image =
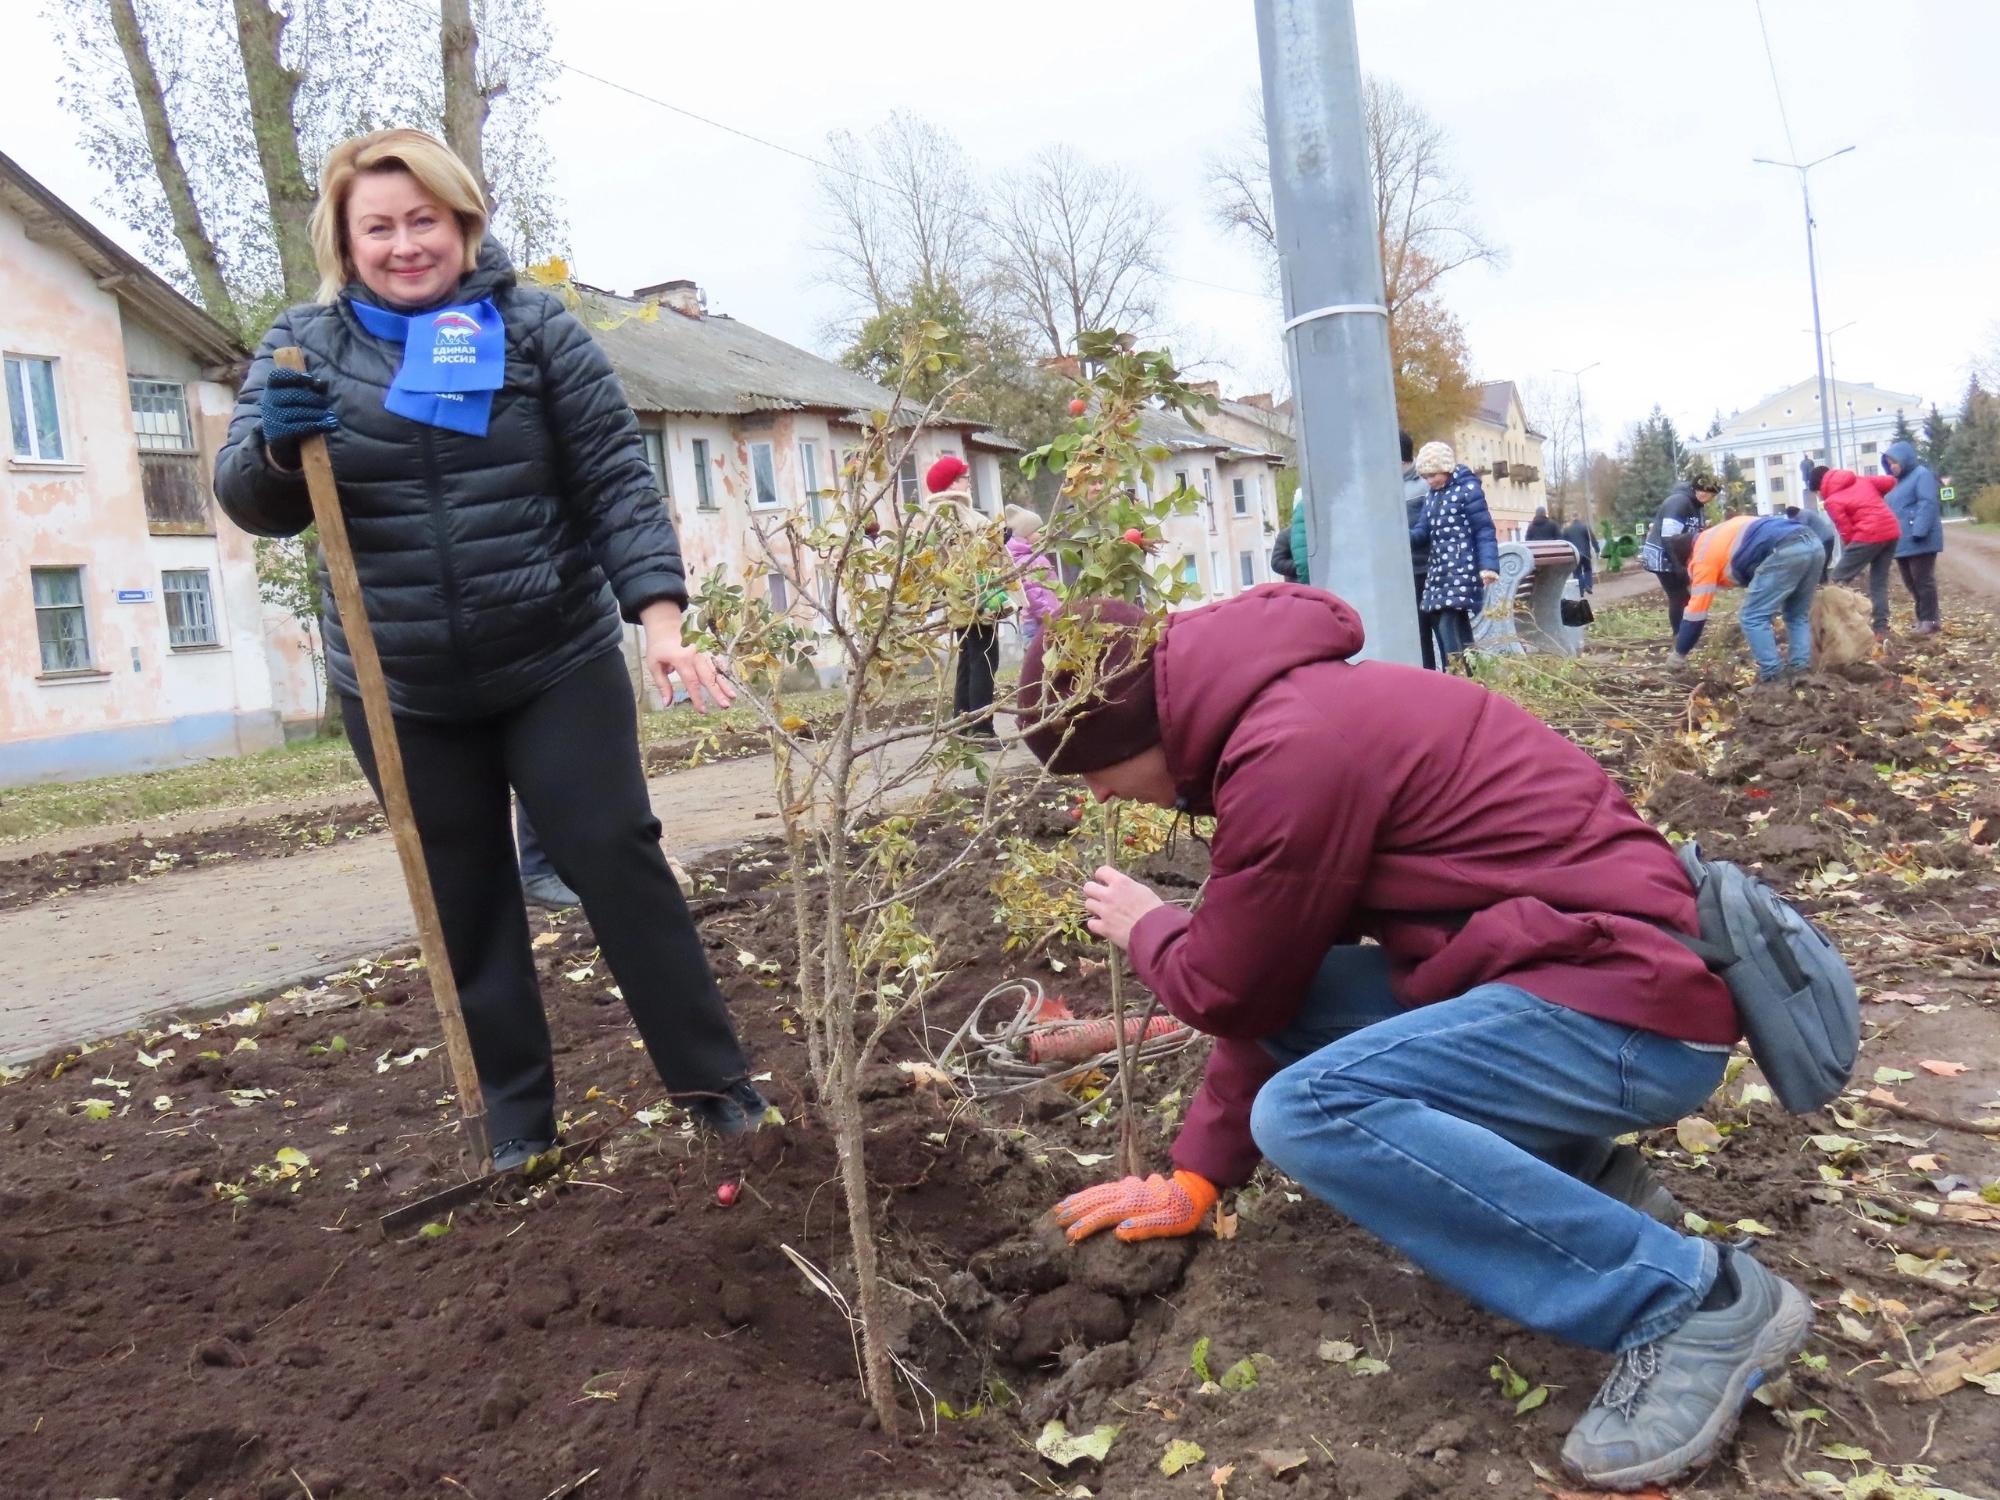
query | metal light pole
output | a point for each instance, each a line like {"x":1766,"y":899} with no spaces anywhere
{"x":1336,"y":327}
{"x":1839,"y":449}
{"x":1583,"y":441}
{"x":1812,"y":273}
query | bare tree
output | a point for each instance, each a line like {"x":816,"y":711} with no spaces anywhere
{"x":1422,"y":211}
{"x":150,"y":100}
{"x":904,"y":217}
{"x":194,"y":108}
{"x":1550,"y":407}
{"x":273,"y":89}
{"x":465,"y":104}
{"x":1077,"y":246}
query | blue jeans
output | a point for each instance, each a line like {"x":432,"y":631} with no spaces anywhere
{"x":1465,"y":1134}
{"x":534,"y":860}
{"x":1784,"y":584}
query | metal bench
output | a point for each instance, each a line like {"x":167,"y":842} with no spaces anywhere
{"x":1524,"y":609}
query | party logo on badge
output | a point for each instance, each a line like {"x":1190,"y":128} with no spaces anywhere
{"x":453,"y":332}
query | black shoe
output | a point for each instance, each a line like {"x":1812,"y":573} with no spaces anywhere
{"x":508,"y":1155}
{"x":737,"y":1110}
{"x":549,"y":890}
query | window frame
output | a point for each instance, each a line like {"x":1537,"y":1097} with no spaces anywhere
{"x":1216,"y":585}
{"x":654,"y":441}
{"x":704,"y":479}
{"x":206,"y":594}
{"x":187,"y":443}
{"x":770,"y":471}
{"x":778,"y":593}
{"x":809,"y":481}
{"x":82,"y":609}
{"x":21,"y":409}
{"x":1239,"y":496}
{"x":909,"y":488}
{"x":1246,"y":569}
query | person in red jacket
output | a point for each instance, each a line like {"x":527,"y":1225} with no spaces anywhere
{"x":1439,"y":954}
{"x":1868,"y":533}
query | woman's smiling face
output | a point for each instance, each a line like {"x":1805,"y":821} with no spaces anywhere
{"x":407,"y":248}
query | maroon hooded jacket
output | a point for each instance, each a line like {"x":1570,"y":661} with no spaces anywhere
{"x":1352,"y":800}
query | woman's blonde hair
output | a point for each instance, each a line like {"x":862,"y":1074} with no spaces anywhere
{"x":435,"y":166}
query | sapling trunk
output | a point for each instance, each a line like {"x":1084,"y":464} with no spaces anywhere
{"x":1128,"y":1123}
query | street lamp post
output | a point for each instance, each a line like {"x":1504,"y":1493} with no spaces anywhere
{"x":1336,"y":325}
{"x":1839,"y":449}
{"x":1583,"y":441}
{"x":1812,"y":274}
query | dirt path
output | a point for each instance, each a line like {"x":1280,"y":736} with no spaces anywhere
{"x":95,"y":964}
{"x":1971,"y":559}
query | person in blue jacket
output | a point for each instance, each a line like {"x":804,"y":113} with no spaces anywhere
{"x":1915,"y":503}
{"x":1464,"y":551}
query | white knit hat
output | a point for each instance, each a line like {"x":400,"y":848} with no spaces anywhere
{"x":1435,"y":458}
{"x":1022,"y":521}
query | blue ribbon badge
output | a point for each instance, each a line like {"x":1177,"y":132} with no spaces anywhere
{"x":454,"y":359}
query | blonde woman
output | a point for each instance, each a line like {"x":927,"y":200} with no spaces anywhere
{"x":503,"y":518}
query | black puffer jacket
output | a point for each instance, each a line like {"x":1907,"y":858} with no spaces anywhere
{"x":493,"y":565}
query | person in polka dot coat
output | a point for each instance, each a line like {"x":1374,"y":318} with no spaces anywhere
{"x":1464,"y":549}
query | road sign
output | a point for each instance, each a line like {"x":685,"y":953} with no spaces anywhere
{"x":1948,"y":494}
{"x":134,"y":596}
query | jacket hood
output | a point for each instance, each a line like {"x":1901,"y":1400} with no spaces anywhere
{"x":491,"y":277}
{"x":1904,"y":452}
{"x":1213,"y":663}
{"x":1837,"y":480}
{"x":1683,"y":490}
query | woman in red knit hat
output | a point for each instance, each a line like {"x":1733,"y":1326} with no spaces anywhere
{"x":978,"y":640}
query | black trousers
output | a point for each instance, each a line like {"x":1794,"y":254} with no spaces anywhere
{"x":572,"y":757}
{"x":1920,"y":578}
{"x":1875,"y":558}
{"x":978,"y":662}
{"x":1676,"y":590}
{"x":1453,"y":631}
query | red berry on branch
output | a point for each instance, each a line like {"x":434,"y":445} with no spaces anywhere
{"x":1135,"y":536}
{"x":1078,"y":407}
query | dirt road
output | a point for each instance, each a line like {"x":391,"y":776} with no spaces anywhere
{"x":98,"y":963}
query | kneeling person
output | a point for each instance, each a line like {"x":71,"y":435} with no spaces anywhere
{"x":1454,"y":1085}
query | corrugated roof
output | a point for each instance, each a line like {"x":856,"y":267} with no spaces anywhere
{"x":1184,"y":437}
{"x":717,"y":365}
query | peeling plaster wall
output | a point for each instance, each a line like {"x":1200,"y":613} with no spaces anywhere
{"x":141,"y":705}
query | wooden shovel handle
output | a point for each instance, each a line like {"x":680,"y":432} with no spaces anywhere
{"x":339,"y":554}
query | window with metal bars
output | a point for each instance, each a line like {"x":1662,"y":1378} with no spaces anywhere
{"x":59,"y":619}
{"x":190,"y":608}
{"x":160,"y":416}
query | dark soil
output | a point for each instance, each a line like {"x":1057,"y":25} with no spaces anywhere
{"x":24,"y":882}
{"x":179,"y":1318}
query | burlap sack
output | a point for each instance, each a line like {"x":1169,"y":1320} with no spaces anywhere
{"x":1841,"y":629}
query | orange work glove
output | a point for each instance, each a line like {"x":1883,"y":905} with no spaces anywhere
{"x":1143,"y":1208}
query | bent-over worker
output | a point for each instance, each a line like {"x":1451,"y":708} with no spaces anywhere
{"x":1455,"y":1083}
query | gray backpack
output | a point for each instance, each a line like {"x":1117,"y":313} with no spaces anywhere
{"x":1793,"y":992}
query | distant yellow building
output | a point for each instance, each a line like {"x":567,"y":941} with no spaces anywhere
{"x":1506,"y":453}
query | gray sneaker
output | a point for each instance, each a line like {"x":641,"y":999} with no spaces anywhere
{"x":1627,"y":1178}
{"x":1671,"y":1405}
{"x":549,"y":890}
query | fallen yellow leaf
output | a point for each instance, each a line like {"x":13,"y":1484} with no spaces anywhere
{"x":1942,"y":1069}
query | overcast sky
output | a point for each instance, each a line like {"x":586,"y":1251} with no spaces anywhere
{"x":1607,"y":147}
